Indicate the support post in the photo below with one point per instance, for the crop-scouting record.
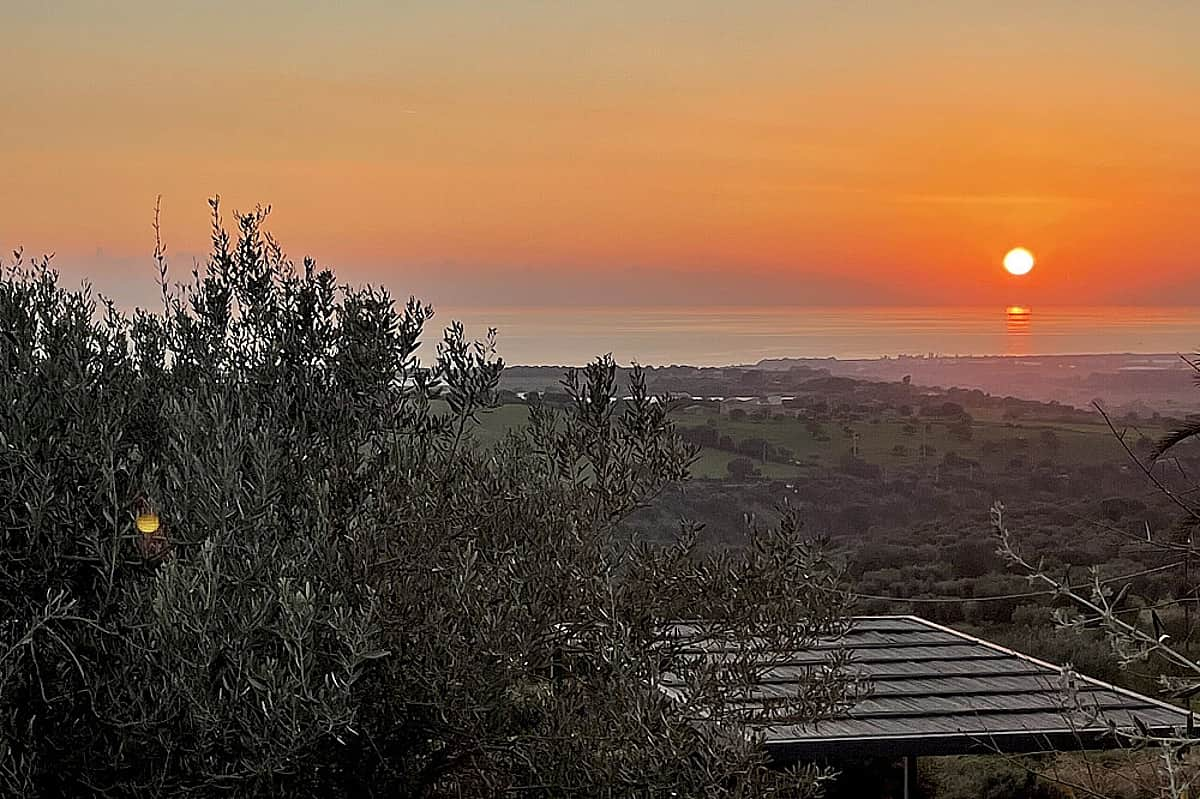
(910, 777)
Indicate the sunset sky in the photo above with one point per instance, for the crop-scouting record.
(590, 152)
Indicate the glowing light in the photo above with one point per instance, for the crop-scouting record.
(1018, 261)
(1018, 310)
(147, 522)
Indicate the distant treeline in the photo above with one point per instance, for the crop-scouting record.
(805, 387)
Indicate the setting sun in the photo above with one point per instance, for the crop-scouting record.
(1018, 261)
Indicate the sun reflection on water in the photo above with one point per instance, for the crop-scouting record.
(1017, 322)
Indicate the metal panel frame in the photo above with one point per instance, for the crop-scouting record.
(1010, 741)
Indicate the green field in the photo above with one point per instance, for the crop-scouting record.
(1078, 442)
(495, 423)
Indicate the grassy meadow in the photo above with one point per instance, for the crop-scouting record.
(879, 437)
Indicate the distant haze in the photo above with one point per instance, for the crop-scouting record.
(572, 336)
(682, 152)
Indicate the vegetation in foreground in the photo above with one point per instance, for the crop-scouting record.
(248, 545)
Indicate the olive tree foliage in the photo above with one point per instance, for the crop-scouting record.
(249, 545)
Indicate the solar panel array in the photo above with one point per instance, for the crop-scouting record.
(938, 691)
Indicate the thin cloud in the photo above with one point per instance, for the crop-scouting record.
(993, 199)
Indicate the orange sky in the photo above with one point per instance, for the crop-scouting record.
(635, 152)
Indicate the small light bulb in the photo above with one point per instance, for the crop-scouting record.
(147, 522)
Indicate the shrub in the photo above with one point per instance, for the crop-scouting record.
(249, 545)
(742, 467)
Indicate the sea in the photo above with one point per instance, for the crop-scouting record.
(721, 336)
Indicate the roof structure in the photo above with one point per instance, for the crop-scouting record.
(936, 691)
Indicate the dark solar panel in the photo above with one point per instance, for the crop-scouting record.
(938, 691)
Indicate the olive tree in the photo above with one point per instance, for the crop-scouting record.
(249, 544)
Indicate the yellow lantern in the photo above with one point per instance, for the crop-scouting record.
(147, 522)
